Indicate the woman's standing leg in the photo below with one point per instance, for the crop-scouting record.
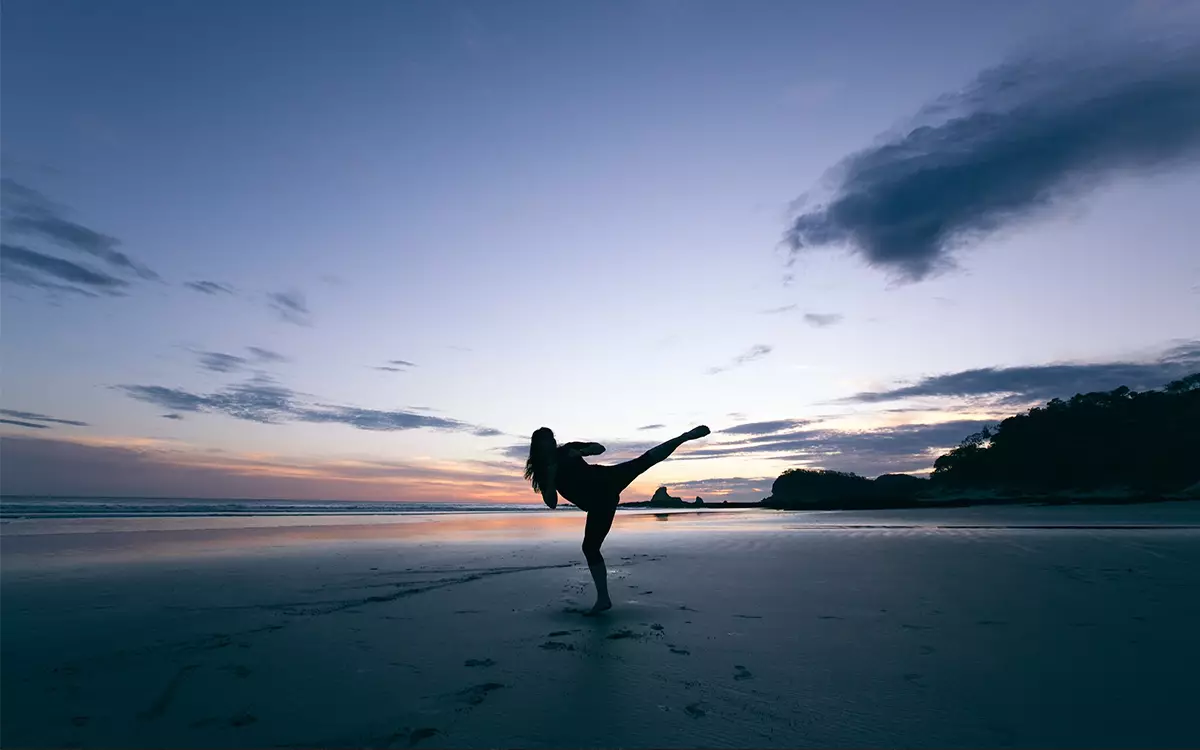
(599, 521)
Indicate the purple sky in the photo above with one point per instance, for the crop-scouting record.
(274, 249)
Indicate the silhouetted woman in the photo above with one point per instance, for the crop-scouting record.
(560, 469)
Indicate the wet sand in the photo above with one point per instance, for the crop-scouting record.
(1018, 627)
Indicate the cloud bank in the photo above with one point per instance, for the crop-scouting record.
(1021, 138)
(1040, 383)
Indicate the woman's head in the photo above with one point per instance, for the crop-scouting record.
(541, 452)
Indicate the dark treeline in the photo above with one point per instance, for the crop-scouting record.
(1126, 444)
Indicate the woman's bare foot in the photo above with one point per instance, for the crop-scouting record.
(600, 606)
(697, 432)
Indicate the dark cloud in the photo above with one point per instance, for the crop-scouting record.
(266, 355)
(1038, 383)
(401, 363)
(755, 352)
(486, 432)
(29, 214)
(35, 417)
(778, 310)
(396, 365)
(1019, 139)
(30, 268)
(820, 320)
(764, 428)
(652, 427)
(172, 416)
(208, 287)
(291, 306)
(261, 399)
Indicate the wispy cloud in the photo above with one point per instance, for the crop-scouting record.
(266, 355)
(1038, 383)
(28, 214)
(291, 306)
(1018, 140)
(765, 428)
(225, 362)
(750, 355)
(263, 400)
(36, 270)
(396, 365)
(221, 362)
(819, 320)
(652, 427)
(27, 417)
(19, 423)
(779, 310)
(208, 287)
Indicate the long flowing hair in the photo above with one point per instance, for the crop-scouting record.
(542, 448)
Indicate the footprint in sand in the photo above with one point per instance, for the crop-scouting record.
(749, 617)
(558, 633)
(478, 663)
(742, 673)
(556, 646)
(243, 719)
(476, 694)
(621, 634)
(656, 626)
(914, 678)
(693, 710)
(423, 733)
(680, 651)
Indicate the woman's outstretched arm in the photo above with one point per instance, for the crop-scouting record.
(586, 449)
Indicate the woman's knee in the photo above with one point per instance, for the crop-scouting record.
(591, 551)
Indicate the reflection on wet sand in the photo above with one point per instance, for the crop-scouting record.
(41, 542)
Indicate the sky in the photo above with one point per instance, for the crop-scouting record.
(317, 250)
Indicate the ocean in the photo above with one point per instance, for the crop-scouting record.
(167, 507)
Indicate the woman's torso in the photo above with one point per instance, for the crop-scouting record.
(581, 483)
